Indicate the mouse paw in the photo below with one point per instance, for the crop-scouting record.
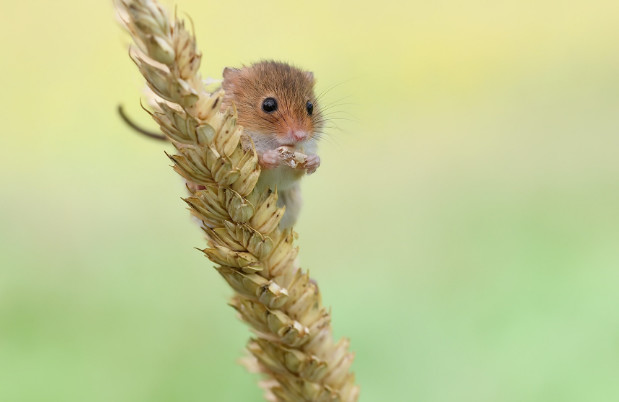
(270, 159)
(311, 163)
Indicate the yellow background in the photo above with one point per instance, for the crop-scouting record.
(464, 224)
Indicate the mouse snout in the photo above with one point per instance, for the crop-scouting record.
(299, 135)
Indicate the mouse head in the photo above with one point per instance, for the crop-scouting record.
(274, 99)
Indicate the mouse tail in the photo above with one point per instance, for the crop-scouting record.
(130, 123)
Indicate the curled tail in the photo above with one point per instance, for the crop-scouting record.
(139, 129)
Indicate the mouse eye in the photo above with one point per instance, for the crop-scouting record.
(310, 107)
(269, 105)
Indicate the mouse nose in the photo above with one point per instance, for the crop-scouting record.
(299, 135)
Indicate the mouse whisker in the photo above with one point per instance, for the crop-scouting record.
(331, 88)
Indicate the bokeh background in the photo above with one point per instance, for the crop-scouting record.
(464, 224)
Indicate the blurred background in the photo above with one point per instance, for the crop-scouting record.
(463, 226)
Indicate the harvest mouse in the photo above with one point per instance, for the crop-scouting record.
(278, 109)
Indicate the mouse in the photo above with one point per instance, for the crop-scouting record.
(278, 108)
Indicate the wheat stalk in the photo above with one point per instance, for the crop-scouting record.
(293, 346)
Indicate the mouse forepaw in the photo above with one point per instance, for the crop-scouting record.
(312, 163)
(269, 159)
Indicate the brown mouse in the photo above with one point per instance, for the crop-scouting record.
(278, 109)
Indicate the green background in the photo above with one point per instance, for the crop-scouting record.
(463, 226)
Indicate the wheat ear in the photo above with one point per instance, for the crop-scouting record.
(293, 346)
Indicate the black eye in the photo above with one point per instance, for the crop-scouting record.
(269, 105)
(310, 107)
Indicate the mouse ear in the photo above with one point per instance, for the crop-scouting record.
(231, 76)
(230, 73)
(310, 76)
